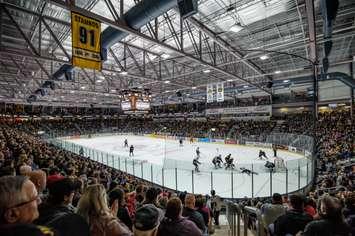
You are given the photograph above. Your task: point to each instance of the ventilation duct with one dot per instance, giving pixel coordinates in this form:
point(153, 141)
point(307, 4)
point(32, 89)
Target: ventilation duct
point(136, 17)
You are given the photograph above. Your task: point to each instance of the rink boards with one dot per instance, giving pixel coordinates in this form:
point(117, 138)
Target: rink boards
point(172, 164)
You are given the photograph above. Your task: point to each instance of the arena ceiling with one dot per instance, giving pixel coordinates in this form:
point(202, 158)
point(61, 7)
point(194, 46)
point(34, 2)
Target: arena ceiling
point(224, 42)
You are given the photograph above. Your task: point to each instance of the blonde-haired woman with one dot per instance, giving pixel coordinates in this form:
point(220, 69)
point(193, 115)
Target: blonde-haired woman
point(93, 208)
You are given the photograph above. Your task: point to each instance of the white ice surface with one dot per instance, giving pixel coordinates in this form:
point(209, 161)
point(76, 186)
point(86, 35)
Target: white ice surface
point(150, 153)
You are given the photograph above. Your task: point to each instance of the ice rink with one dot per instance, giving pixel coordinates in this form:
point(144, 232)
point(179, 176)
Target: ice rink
point(151, 154)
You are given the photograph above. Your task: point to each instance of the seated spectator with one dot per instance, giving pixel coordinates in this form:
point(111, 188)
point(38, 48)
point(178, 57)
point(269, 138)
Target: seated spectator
point(174, 224)
point(94, 209)
point(59, 202)
point(349, 211)
point(294, 220)
point(25, 169)
point(202, 208)
point(39, 178)
point(146, 221)
point(270, 212)
point(117, 204)
point(310, 207)
point(331, 220)
point(53, 175)
point(18, 200)
point(25, 229)
point(151, 197)
point(191, 214)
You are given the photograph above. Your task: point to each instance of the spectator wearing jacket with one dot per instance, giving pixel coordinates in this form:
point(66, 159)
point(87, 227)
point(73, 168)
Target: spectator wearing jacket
point(174, 224)
point(94, 209)
point(18, 200)
point(117, 202)
point(331, 220)
point(191, 214)
point(294, 220)
point(58, 203)
point(216, 206)
point(270, 212)
point(349, 211)
point(146, 222)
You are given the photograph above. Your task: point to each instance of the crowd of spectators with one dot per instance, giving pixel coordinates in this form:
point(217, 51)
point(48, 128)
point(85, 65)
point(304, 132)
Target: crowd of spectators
point(45, 189)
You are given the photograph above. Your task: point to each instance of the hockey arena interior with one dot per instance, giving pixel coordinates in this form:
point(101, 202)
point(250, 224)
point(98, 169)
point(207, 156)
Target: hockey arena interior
point(177, 117)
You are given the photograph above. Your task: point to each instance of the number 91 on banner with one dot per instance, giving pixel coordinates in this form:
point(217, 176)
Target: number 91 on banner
point(86, 42)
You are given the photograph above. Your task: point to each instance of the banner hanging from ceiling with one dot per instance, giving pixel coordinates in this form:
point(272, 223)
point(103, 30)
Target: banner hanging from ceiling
point(86, 42)
point(209, 92)
point(220, 92)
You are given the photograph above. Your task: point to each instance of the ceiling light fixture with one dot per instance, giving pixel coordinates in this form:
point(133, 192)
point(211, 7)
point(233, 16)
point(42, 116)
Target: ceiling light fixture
point(166, 81)
point(207, 71)
point(230, 80)
point(277, 72)
point(264, 57)
point(245, 86)
point(165, 56)
point(124, 73)
point(286, 81)
point(82, 87)
point(236, 27)
point(194, 88)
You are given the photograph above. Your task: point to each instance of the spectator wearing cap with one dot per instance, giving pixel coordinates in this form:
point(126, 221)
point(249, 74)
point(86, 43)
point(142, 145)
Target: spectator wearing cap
point(191, 214)
point(174, 224)
point(18, 200)
point(294, 220)
point(117, 204)
point(54, 175)
point(93, 208)
point(59, 202)
point(331, 220)
point(270, 212)
point(146, 221)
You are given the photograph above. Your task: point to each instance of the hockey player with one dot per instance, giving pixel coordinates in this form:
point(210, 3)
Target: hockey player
point(229, 162)
point(270, 166)
point(262, 155)
point(226, 159)
point(198, 152)
point(217, 160)
point(247, 171)
point(195, 162)
point(181, 142)
point(81, 151)
point(125, 143)
point(131, 149)
point(274, 148)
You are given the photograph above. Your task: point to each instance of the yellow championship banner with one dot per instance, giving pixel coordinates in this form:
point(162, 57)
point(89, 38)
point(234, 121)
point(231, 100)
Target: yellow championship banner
point(86, 42)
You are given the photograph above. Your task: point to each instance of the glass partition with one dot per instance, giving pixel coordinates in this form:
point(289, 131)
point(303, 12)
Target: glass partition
point(245, 180)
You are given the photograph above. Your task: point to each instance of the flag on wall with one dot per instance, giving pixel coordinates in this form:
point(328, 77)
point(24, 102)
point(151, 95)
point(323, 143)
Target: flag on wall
point(220, 92)
point(209, 93)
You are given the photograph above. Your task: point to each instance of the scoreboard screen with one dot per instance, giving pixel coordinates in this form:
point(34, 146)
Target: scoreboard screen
point(135, 101)
point(126, 106)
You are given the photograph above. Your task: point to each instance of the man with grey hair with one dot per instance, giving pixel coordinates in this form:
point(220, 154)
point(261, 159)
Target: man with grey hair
point(18, 200)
